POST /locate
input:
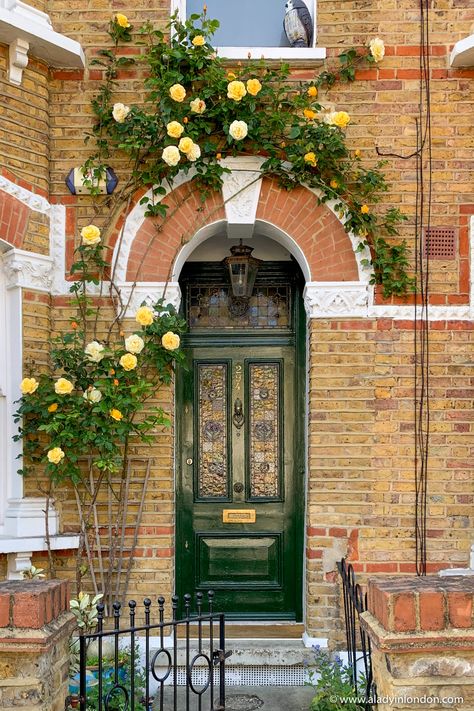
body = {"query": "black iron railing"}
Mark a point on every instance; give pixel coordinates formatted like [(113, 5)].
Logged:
[(358, 642), (118, 685)]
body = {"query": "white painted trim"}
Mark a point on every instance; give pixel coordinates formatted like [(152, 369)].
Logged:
[(314, 641), (291, 54), (32, 200), (9, 544), (24, 28), (241, 193), (462, 54), (28, 270)]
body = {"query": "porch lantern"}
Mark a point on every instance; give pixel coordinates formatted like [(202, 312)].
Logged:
[(243, 270)]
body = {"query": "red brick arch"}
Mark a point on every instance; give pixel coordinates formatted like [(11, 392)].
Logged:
[(319, 234), (13, 219)]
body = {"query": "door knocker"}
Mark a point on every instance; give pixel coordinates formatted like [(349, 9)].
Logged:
[(238, 418)]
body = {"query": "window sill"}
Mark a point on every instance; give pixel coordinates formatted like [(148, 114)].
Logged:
[(290, 54), (32, 544), (462, 54)]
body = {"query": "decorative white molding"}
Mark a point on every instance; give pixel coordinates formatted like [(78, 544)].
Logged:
[(407, 313), (149, 293), (335, 299), (65, 541), (26, 518), (18, 60), (25, 28), (32, 200), (28, 270), (462, 54), (57, 249), (17, 564), (241, 192)]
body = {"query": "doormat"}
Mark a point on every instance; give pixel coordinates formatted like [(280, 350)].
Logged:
[(242, 702)]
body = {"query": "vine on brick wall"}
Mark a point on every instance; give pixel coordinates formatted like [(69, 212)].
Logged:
[(197, 112)]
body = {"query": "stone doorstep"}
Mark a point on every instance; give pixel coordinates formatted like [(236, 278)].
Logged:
[(248, 652)]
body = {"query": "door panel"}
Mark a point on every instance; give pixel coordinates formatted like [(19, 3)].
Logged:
[(237, 455)]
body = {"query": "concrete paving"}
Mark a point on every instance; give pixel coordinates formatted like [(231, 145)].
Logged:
[(268, 698), (247, 698)]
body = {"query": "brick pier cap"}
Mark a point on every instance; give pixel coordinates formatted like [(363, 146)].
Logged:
[(422, 637)]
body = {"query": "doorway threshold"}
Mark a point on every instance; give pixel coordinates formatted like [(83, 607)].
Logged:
[(253, 630)]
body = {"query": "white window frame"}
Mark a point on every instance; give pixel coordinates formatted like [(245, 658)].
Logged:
[(296, 54)]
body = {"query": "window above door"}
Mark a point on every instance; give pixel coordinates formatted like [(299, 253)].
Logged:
[(252, 26)]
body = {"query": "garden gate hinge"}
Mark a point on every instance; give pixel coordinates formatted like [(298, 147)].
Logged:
[(219, 656)]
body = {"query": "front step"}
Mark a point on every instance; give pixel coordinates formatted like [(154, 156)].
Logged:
[(254, 662), (246, 630)]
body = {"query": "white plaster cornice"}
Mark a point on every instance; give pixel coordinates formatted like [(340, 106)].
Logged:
[(26, 29), (32, 200), (336, 299), (28, 270), (462, 54), (241, 192)]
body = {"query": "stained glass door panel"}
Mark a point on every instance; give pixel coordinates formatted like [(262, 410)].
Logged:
[(239, 510)]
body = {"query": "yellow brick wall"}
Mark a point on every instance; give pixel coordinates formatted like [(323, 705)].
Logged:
[(361, 489), (24, 129)]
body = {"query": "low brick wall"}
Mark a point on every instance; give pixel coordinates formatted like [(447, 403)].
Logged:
[(422, 636), (35, 626)]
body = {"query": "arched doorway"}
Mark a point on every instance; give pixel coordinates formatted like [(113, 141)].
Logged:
[(240, 455)]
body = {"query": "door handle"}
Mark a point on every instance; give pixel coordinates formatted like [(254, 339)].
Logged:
[(238, 418)]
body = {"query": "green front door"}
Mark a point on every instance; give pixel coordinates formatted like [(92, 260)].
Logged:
[(240, 462)]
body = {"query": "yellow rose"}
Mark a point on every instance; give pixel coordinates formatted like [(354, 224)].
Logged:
[(236, 90), (238, 130), (365, 209), (134, 344), (28, 385), (171, 155), (253, 86), (311, 158), (94, 351), (128, 361), (340, 118), (63, 386), (90, 235), (120, 112), (144, 316), (53, 407), (115, 414), (185, 144), (55, 455), (198, 41), (170, 341), (174, 129), (334, 184), (178, 92), (122, 20), (309, 114), (357, 153), (312, 92), (377, 49), (194, 153), (198, 106)]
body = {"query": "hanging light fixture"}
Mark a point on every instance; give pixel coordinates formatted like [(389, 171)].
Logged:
[(243, 270)]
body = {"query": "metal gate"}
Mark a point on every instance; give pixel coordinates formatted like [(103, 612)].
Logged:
[(141, 666), (358, 642)]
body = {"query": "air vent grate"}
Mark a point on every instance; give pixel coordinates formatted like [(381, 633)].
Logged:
[(440, 243), (249, 675)]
